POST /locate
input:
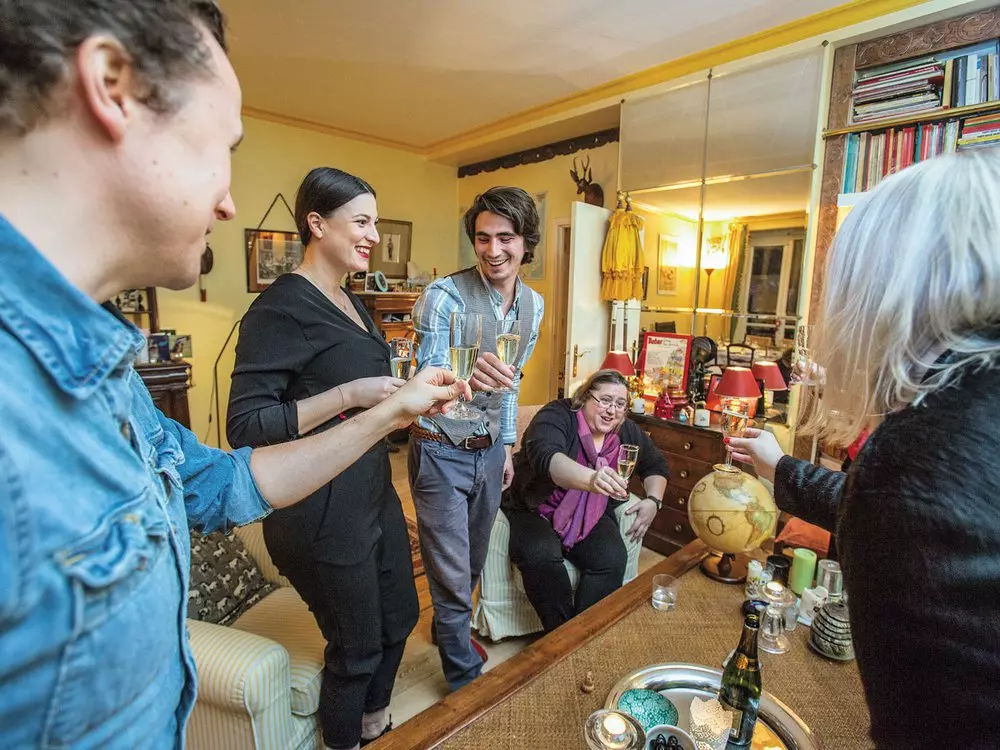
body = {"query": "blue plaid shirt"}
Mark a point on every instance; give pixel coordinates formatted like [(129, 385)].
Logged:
[(431, 317)]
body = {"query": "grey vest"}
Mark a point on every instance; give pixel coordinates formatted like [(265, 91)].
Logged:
[(477, 300)]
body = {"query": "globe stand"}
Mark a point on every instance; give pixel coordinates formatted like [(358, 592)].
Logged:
[(725, 568)]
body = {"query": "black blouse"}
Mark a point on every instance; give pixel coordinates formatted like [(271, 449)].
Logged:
[(554, 430), (295, 343)]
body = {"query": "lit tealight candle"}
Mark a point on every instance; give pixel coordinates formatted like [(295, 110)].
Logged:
[(614, 725)]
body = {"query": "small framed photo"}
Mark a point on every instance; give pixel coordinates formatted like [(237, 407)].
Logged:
[(666, 277), (392, 253), (270, 254), (664, 361)]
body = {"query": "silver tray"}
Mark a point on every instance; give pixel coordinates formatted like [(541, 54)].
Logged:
[(679, 683)]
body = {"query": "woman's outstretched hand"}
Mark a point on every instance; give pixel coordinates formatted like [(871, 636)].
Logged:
[(757, 447)]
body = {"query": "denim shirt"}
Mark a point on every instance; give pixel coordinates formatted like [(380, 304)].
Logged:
[(97, 493)]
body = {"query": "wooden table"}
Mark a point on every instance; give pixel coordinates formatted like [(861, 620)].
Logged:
[(534, 700)]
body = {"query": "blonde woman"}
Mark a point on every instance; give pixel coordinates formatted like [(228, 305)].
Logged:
[(910, 336)]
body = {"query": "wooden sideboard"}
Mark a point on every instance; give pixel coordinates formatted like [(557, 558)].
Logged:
[(391, 311), (690, 452), (168, 384)]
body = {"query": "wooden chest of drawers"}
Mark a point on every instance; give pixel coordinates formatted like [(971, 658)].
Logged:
[(690, 452), (391, 311), (168, 384)]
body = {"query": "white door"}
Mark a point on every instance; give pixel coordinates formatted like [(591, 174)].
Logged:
[(588, 317)]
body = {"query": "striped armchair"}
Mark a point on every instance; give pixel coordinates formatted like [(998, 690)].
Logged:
[(503, 609), (258, 679)]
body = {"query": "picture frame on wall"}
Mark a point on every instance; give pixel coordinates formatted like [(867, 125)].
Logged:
[(666, 276), (664, 361), (270, 253), (535, 270), (392, 252)]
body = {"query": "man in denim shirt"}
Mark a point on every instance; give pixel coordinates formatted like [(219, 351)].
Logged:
[(117, 121)]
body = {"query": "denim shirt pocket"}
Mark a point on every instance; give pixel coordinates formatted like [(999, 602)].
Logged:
[(124, 587)]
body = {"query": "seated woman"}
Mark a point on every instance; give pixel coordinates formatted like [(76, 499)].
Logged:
[(558, 504)]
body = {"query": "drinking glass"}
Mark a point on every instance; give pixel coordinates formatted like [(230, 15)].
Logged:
[(664, 592), (627, 457), (465, 336), (508, 344), (772, 636), (830, 577), (804, 369), (734, 422), (401, 357)]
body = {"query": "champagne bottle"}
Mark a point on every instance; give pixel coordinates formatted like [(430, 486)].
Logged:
[(740, 693)]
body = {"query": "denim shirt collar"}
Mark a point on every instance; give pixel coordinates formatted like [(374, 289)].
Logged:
[(76, 341)]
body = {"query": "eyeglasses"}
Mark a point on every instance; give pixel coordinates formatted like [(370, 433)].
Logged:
[(608, 403)]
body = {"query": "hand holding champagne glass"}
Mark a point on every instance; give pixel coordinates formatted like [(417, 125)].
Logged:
[(508, 344), (466, 334)]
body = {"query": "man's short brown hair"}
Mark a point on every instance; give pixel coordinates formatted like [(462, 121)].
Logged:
[(164, 39)]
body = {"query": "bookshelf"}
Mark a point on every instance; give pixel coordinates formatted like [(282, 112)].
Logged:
[(973, 30)]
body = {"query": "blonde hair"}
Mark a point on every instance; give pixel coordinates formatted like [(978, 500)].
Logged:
[(914, 272)]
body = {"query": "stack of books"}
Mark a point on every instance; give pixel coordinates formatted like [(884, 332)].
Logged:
[(870, 157), (971, 75), (898, 90), (980, 132)]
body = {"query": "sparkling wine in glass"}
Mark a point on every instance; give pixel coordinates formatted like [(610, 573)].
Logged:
[(466, 335), (508, 343), (734, 423), (627, 457), (401, 358)]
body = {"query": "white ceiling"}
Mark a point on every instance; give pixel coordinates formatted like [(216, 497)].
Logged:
[(419, 72)]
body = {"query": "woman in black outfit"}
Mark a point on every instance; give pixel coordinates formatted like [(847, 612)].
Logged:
[(910, 335), (308, 357), (565, 489)]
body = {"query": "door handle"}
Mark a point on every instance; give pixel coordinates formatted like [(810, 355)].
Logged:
[(576, 357)]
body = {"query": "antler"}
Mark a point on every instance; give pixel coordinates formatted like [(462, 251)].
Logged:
[(573, 173)]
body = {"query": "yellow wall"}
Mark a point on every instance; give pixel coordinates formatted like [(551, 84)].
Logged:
[(274, 158), (551, 177)]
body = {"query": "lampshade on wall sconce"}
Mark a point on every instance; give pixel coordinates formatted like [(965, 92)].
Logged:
[(769, 374), (620, 362)]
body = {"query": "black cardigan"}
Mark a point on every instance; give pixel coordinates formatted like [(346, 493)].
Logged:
[(917, 517), (554, 430)]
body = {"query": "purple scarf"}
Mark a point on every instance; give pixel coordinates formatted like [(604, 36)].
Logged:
[(574, 513)]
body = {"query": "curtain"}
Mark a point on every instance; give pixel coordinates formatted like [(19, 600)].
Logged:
[(621, 259)]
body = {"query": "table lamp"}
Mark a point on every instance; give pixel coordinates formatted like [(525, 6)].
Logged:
[(620, 362), (770, 375), (738, 383)]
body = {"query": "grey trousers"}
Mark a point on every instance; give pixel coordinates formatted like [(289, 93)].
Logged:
[(456, 494)]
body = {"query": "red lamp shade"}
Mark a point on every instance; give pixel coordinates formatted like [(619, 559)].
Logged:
[(770, 374), (738, 382), (619, 361)]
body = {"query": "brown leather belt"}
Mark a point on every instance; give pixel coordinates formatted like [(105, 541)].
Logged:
[(471, 443)]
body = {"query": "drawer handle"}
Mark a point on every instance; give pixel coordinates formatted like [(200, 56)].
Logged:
[(681, 501), (646, 433), (684, 473), (688, 446), (678, 528)]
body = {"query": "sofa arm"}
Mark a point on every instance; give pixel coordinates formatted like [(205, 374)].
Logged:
[(239, 671)]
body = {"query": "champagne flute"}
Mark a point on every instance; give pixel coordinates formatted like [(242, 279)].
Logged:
[(401, 357), (803, 365), (627, 457), (466, 335), (734, 422), (508, 343)]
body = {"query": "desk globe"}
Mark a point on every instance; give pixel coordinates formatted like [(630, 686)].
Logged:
[(732, 513)]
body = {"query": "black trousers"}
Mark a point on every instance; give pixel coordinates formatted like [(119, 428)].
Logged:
[(365, 611), (537, 551)]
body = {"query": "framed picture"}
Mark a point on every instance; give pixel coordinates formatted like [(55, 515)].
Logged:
[(535, 271), (664, 361), (270, 254), (666, 277), (392, 252)]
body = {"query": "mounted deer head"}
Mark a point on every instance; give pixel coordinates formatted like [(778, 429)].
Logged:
[(592, 192)]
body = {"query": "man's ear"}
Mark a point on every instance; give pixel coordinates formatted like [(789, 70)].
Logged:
[(107, 83)]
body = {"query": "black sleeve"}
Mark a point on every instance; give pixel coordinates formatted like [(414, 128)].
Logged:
[(652, 462), (809, 492), (550, 432), (271, 352)]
